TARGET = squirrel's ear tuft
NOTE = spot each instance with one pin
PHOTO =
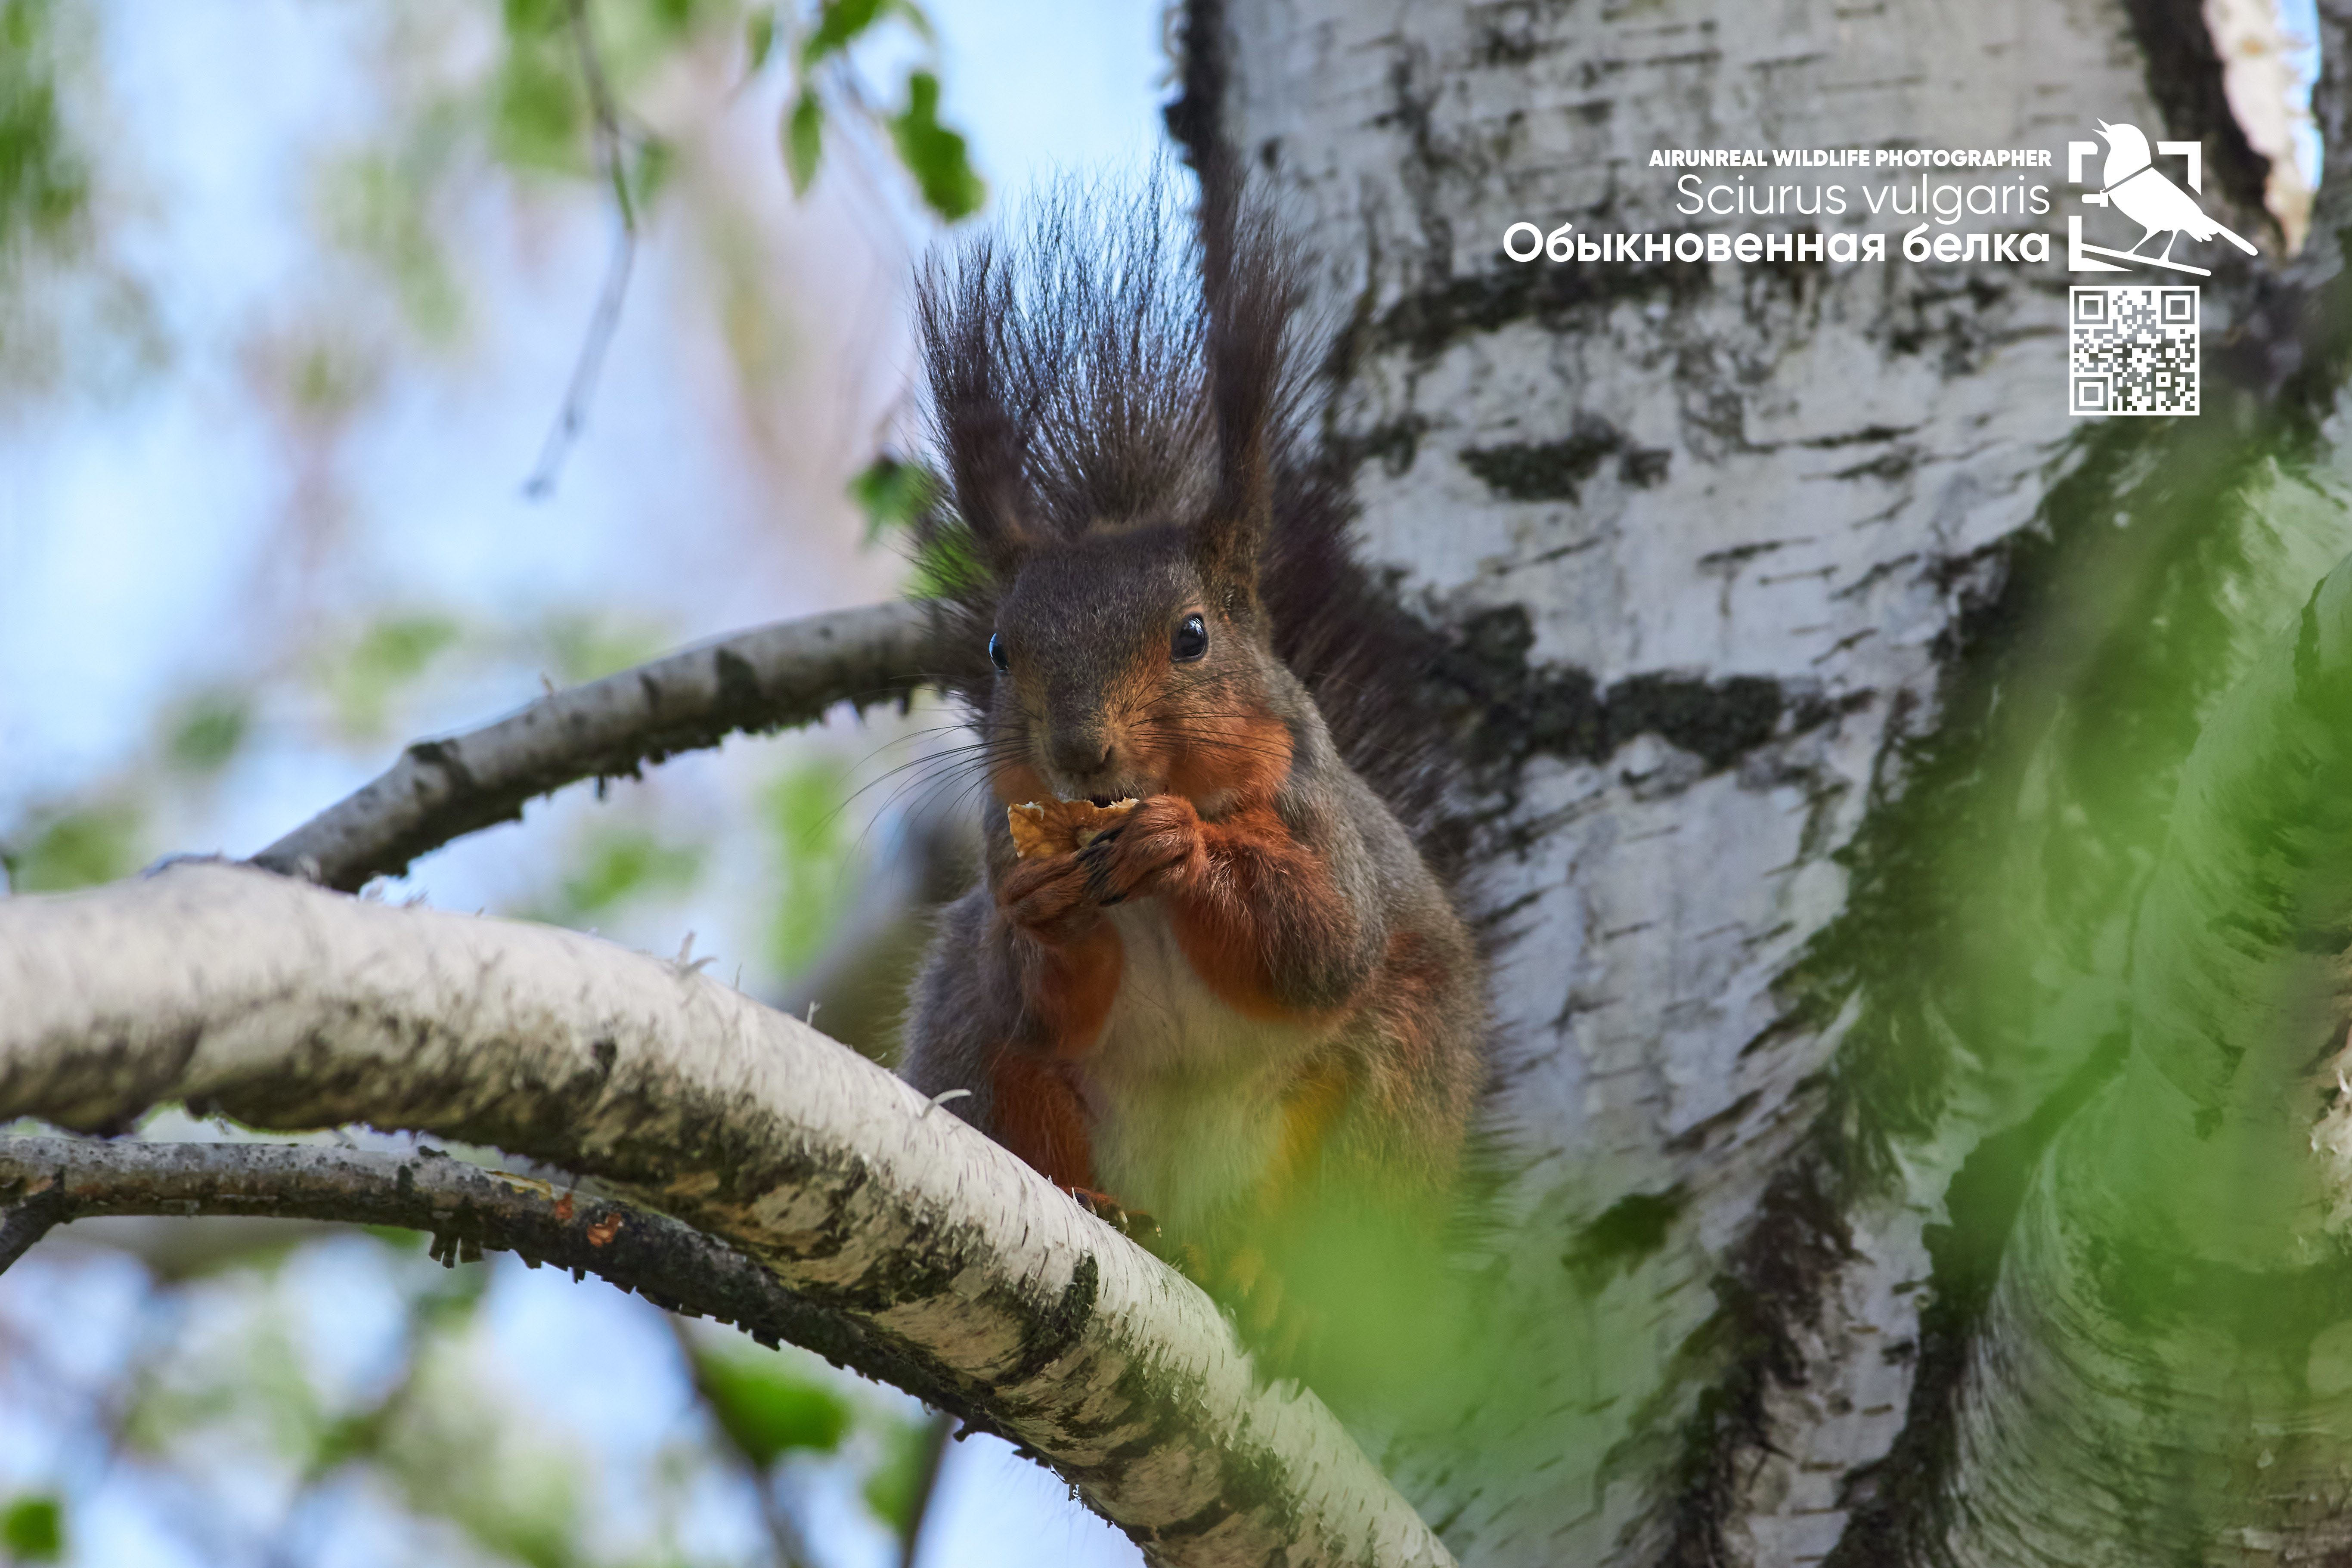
(979, 417)
(1250, 288)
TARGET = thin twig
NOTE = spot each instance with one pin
(610, 149)
(26, 1221)
(935, 1448)
(770, 677)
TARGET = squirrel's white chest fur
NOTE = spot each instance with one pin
(1184, 1093)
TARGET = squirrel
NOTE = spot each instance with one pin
(1247, 1014)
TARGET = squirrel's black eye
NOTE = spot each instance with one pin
(1191, 641)
(996, 651)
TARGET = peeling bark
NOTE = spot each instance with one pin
(249, 995)
(753, 681)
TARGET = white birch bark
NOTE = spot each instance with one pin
(289, 1008)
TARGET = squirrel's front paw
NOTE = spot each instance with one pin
(1159, 841)
(1050, 898)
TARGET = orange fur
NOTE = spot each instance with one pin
(1071, 987)
(1219, 908)
(1040, 1116)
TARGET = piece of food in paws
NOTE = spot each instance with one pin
(1058, 826)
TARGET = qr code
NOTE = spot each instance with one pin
(2133, 349)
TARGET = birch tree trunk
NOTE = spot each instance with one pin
(1830, 686)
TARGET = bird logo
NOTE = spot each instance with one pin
(2132, 184)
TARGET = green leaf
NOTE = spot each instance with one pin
(947, 562)
(676, 18)
(33, 1530)
(803, 139)
(837, 26)
(767, 1411)
(385, 206)
(655, 162)
(759, 36)
(585, 647)
(207, 734)
(540, 110)
(76, 849)
(388, 656)
(914, 16)
(625, 861)
(804, 812)
(396, 1237)
(892, 493)
(933, 154)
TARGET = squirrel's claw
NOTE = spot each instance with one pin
(1133, 1224)
(1096, 859)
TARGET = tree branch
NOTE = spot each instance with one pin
(51, 1181)
(288, 1007)
(787, 673)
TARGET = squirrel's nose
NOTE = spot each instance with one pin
(1084, 756)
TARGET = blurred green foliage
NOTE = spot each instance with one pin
(945, 562)
(205, 732)
(803, 139)
(75, 846)
(765, 1409)
(892, 492)
(44, 182)
(759, 37)
(538, 116)
(896, 1487)
(619, 863)
(32, 1529)
(802, 811)
(383, 203)
(362, 678)
(588, 645)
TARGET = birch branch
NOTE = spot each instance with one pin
(288, 1007)
(759, 680)
(51, 1181)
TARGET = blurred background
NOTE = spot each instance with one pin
(365, 365)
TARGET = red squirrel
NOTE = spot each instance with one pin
(1251, 1010)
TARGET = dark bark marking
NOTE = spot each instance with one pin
(1054, 1334)
(1556, 470)
(1771, 1285)
(1511, 711)
(1559, 297)
(1898, 1504)
(1626, 1232)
